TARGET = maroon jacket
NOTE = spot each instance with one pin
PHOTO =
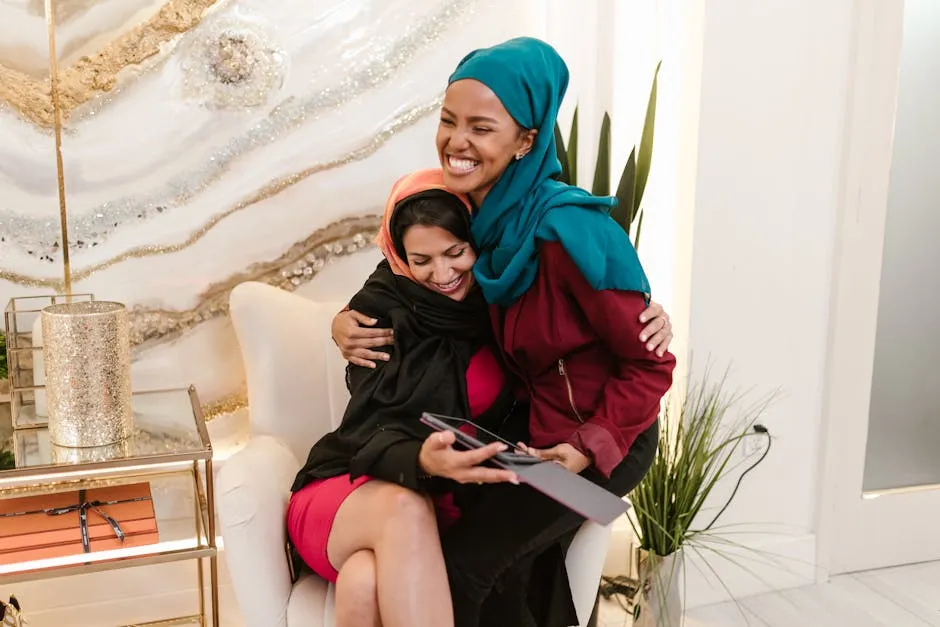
(591, 381)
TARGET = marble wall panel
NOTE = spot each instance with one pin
(207, 142)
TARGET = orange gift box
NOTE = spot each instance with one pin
(51, 525)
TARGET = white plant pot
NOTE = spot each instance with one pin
(658, 601)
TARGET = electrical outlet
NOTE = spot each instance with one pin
(753, 444)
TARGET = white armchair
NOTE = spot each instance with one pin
(297, 391)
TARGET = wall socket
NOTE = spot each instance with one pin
(753, 444)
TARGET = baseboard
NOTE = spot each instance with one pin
(724, 573)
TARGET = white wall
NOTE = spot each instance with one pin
(773, 102)
(743, 198)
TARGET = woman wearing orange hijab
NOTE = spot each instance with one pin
(363, 513)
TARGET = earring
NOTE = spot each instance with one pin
(519, 156)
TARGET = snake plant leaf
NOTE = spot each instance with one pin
(639, 227)
(623, 212)
(562, 155)
(645, 155)
(573, 150)
(601, 186)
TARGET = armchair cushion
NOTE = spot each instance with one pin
(296, 376)
(584, 563)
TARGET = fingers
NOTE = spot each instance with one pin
(660, 342)
(554, 454)
(482, 474)
(366, 337)
(463, 466)
(440, 440)
(658, 324)
(534, 452)
(654, 310)
(551, 456)
(476, 457)
(658, 333)
(362, 319)
(362, 353)
(364, 363)
(364, 358)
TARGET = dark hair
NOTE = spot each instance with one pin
(433, 207)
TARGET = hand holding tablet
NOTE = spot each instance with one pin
(552, 479)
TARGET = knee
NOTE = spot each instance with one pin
(408, 508)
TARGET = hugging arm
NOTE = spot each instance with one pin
(357, 337)
(360, 342)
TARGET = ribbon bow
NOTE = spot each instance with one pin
(82, 508)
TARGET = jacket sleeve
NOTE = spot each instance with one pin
(391, 455)
(632, 396)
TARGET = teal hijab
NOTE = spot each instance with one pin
(527, 205)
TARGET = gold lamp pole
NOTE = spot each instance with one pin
(60, 172)
(85, 344)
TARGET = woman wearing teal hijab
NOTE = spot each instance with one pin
(566, 292)
(526, 203)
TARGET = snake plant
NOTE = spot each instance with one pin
(632, 183)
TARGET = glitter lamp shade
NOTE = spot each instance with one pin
(86, 358)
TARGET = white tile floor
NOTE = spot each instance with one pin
(907, 596)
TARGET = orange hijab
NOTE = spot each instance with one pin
(408, 185)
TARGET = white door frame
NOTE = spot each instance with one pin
(856, 533)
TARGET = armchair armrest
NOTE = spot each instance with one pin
(584, 564)
(252, 494)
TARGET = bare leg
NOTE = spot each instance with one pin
(356, 602)
(400, 527)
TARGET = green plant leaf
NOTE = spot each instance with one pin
(601, 186)
(645, 155)
(639, 227)
(623, 212)
(697, 448)
(562, 154)
(573, 150)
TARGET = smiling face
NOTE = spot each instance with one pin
(477, 139)
(439, 260)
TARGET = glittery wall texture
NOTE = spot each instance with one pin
(209, 142)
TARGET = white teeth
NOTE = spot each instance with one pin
(451, 285)
(463, 165)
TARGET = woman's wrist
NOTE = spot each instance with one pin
(422, 466)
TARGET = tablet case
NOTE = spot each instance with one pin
(550, 478)
(572, 490)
